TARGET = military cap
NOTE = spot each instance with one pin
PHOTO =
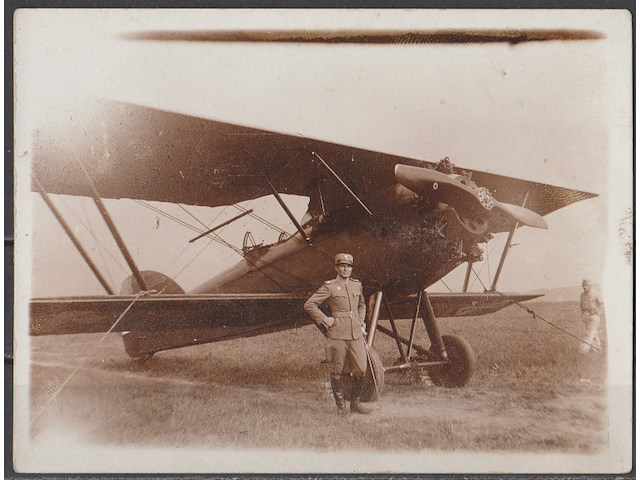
(586, 281)
(344, 258)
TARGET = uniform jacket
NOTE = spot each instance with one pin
(347, 308)
(590, 303)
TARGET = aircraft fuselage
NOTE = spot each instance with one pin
(405, 246)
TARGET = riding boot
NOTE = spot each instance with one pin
(338, 395)
(356, 391)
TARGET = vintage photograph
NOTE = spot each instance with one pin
(323, 241)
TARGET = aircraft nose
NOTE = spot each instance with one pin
(471, 202)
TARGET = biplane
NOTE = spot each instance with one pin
(408, 222)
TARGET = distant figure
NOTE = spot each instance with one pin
(345, 331)
(591, 307)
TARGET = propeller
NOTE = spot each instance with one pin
(462, 194)
(511, 36)
(522, 214)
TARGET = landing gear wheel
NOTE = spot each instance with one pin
(142, 359)
(462, 364)
(132, 348)
(369, 391)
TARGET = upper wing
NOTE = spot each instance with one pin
(542, 198)
(136, 152)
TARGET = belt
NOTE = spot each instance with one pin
(345, 313)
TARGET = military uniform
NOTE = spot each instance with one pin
(348, 309)
(591, 306)
(345, 343)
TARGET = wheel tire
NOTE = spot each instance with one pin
(132, 348)
(369, 391)
(462, 364)
(141, 360)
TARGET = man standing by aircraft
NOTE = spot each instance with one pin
(345, 331)
(591, 308)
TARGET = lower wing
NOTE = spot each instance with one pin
(247, 314)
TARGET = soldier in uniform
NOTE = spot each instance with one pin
(591, 307)
(345, 331)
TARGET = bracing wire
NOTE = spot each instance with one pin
(266, 222)
(93, 235)
(185, 224)
(254, 262)
(447, 286)
(194, 217)
(57, 392)
(227, 244)
(220, 240)
(211, 240)
(535, 315)
(187, 248)
(216, 236)
(262, 220)
(484, 264)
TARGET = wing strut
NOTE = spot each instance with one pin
(116, 236)
(288, 212)
(467, 276)
(114, 231)
(337, 177)
(507, 247)
(449, 361)
(73, 238)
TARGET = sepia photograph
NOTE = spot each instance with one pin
(323, 241)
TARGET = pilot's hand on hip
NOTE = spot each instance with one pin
(330, 322)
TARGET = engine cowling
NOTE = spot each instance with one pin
(458, 191)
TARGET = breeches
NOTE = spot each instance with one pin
(347, 356)
(592, 334)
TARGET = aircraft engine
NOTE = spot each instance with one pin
(474, 205)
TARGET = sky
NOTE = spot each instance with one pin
(551, 112)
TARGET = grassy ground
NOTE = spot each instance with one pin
(532, 391)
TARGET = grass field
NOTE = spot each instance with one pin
(532, 392)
